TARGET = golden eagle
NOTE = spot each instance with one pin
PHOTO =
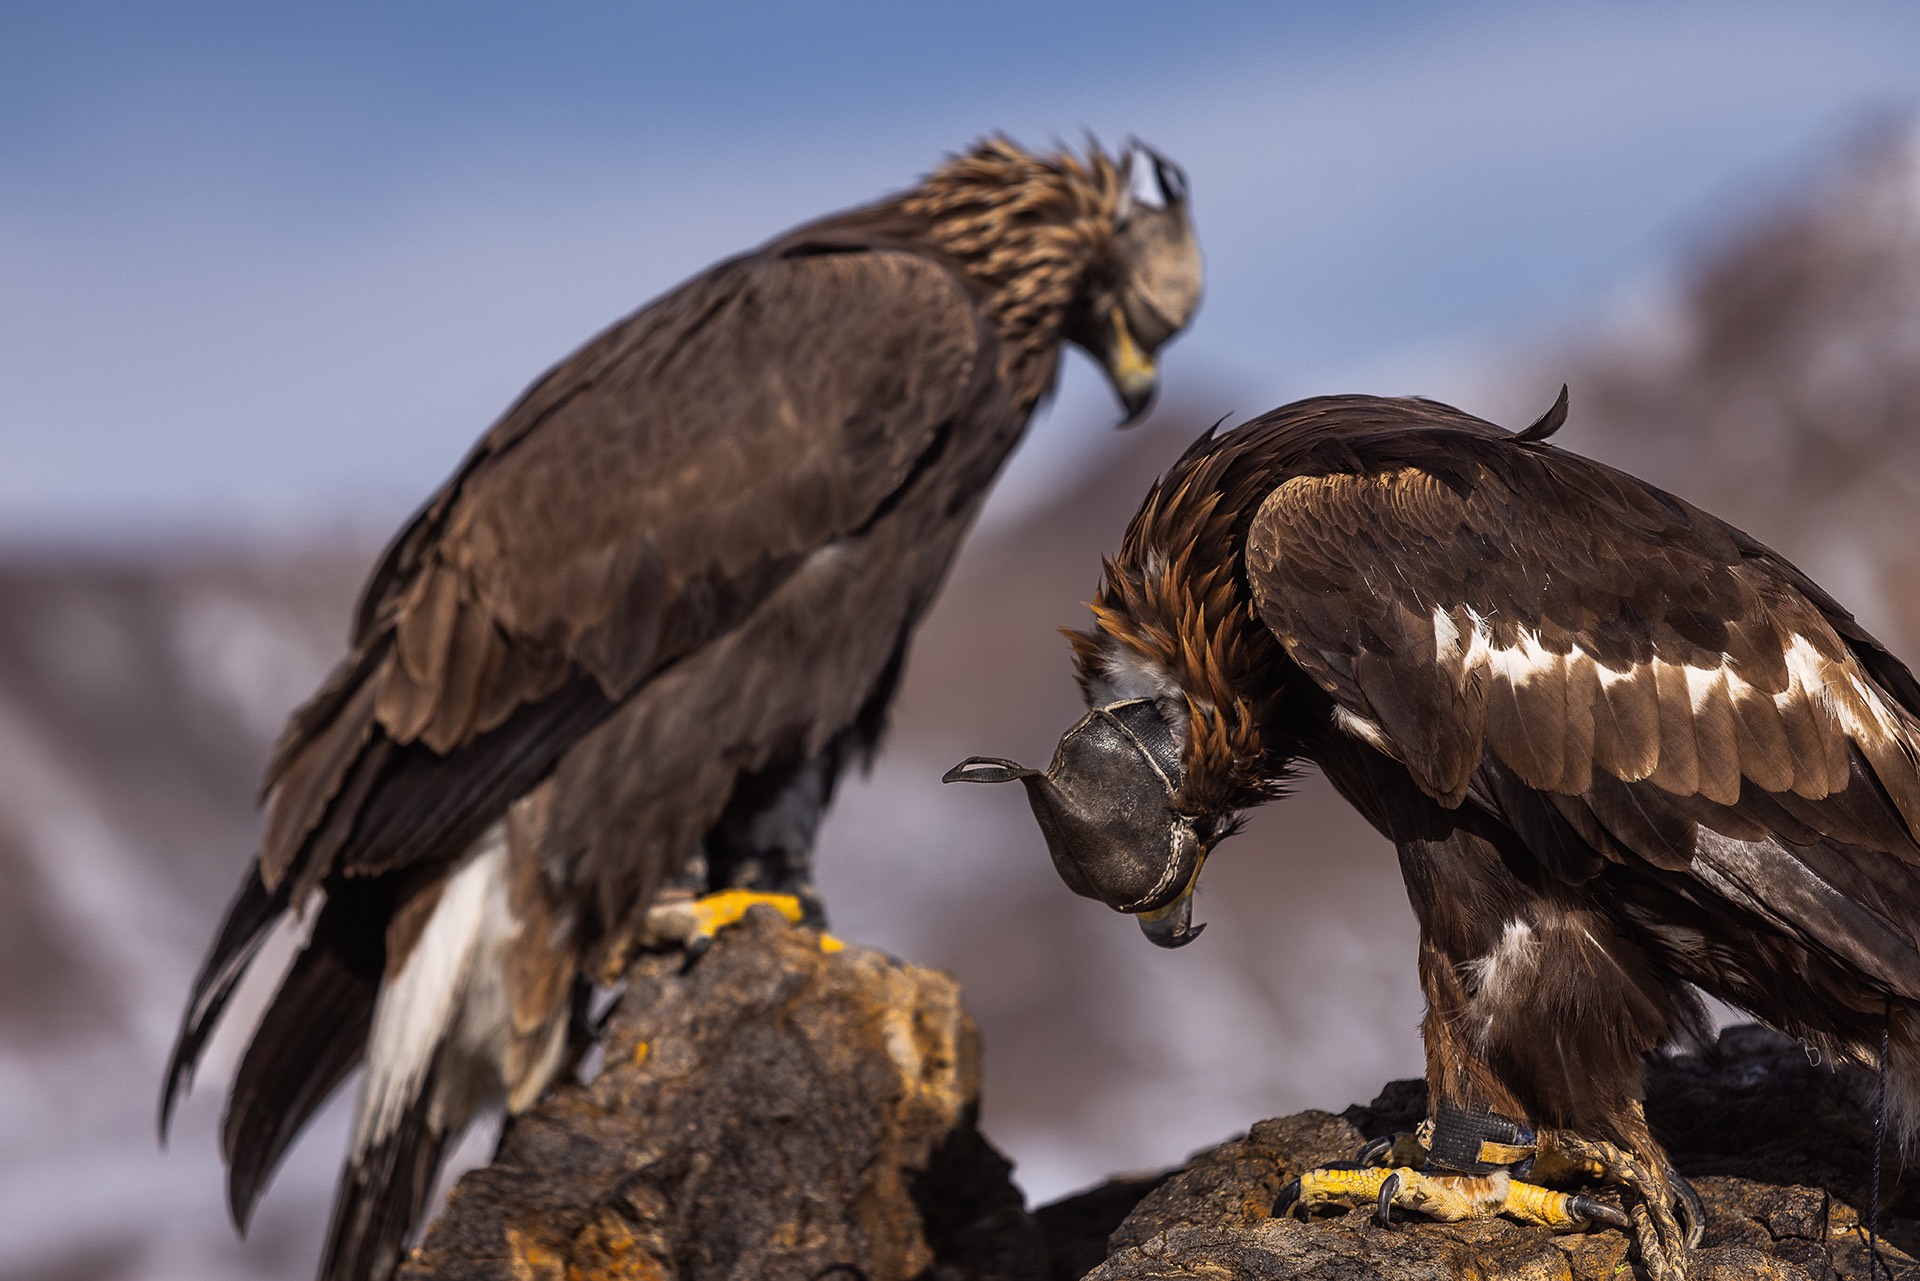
(1626, 754)
(638, 635)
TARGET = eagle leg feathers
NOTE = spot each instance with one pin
(764, 839)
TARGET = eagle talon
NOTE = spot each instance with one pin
(1389, 1189)
(1373, 1149)
(696, 948)
(1597, 1212)
(1288, 1200)
(813, 909)
(1448, 1198)
(1690, 1207)
(1393, 1150)
(1658, 1200)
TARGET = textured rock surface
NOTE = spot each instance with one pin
(776, 1110)
(1211, 1221)
(1797, 1136)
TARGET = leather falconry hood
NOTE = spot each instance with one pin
(1105, 806)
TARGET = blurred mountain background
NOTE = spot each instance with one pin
(204, 438)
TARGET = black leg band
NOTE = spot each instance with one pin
(1479, 1141)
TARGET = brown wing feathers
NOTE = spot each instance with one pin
(478, 663)
(1566, 643)
(1616, 671)
(248, 920)
(444, 684)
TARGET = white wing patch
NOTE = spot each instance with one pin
(1363, 729)
(1814, 677)
(1519, 665)
(1624, 719)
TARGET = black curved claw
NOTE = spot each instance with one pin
(1373, 1149)
(696, 948)
(813, 908)
(1690, 1209)
(1597, 1211)
(1284, 1203)
(1389, 1188)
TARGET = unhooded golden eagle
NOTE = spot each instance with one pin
(1626, 754)
(638, 635)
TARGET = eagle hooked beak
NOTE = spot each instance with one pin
(1105, 808)
(1131, 370)
(1172, 926)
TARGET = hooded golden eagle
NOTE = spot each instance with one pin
(638, 635)
(1625, 752)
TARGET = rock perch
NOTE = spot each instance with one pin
(787, 1108)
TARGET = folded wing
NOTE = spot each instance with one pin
(1518, 623)
(639, 502)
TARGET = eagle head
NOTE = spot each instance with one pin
(1149, 288)
(1091, 249)
(1196, 711)
(1106, 807)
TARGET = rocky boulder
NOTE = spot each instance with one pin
(788, 1107)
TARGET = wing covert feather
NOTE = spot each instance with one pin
(794, 396)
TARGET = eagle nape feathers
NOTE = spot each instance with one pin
(1626, 753)
(637, 636)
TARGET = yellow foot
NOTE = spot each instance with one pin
(1657, 1200)
(717, 911)
(1446, 1197)
(692, 923)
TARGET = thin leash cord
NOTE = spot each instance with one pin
(1879, 1147)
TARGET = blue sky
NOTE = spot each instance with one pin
(268, 270)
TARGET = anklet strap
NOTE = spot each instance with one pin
(1476, 1141)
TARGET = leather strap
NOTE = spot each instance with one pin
(1479, 1141)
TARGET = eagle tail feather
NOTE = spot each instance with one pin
(249, 918)
(309, 1039)
(439, 1031)
(383, 1192)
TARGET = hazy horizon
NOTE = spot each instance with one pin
(268, 273)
